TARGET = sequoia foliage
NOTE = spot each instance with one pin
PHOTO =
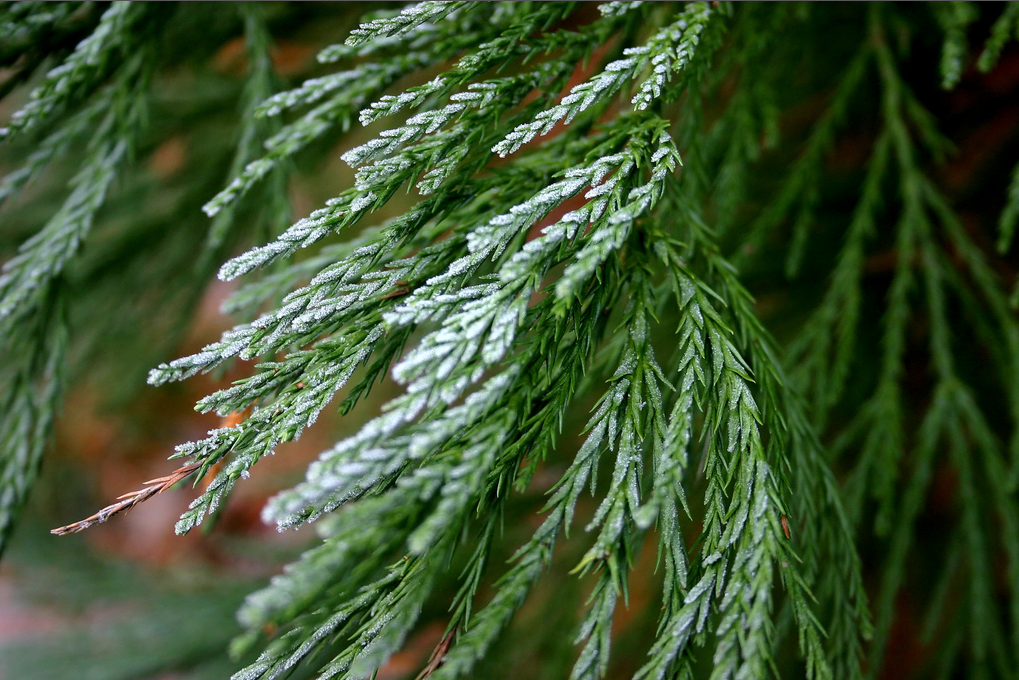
(723, 236)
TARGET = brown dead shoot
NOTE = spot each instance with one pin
(127, 501)
(438, 656)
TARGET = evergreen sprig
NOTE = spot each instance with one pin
(33, 327)
(579, 228)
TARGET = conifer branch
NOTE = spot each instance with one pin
(584, 227)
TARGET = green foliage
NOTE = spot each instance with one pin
(582, 188)
(121, 622)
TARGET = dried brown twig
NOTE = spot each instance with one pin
(438, 656)
(131, 499)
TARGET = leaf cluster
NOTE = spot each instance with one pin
(579, 184)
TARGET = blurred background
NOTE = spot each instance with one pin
(129, 599)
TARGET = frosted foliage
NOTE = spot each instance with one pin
(499, 311)
(609, 234)
(489, 240)
(422, 37)
(409, 19)
(86, 63)
(313, 90)
(456, 493)
(442, 132)
(505, 296)
(617, 8)
(381, 448)
(378, 178)
(391, 104)
(343, 211)
(344, 95)
(671, 51)
(479, 321)
(667, 52)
